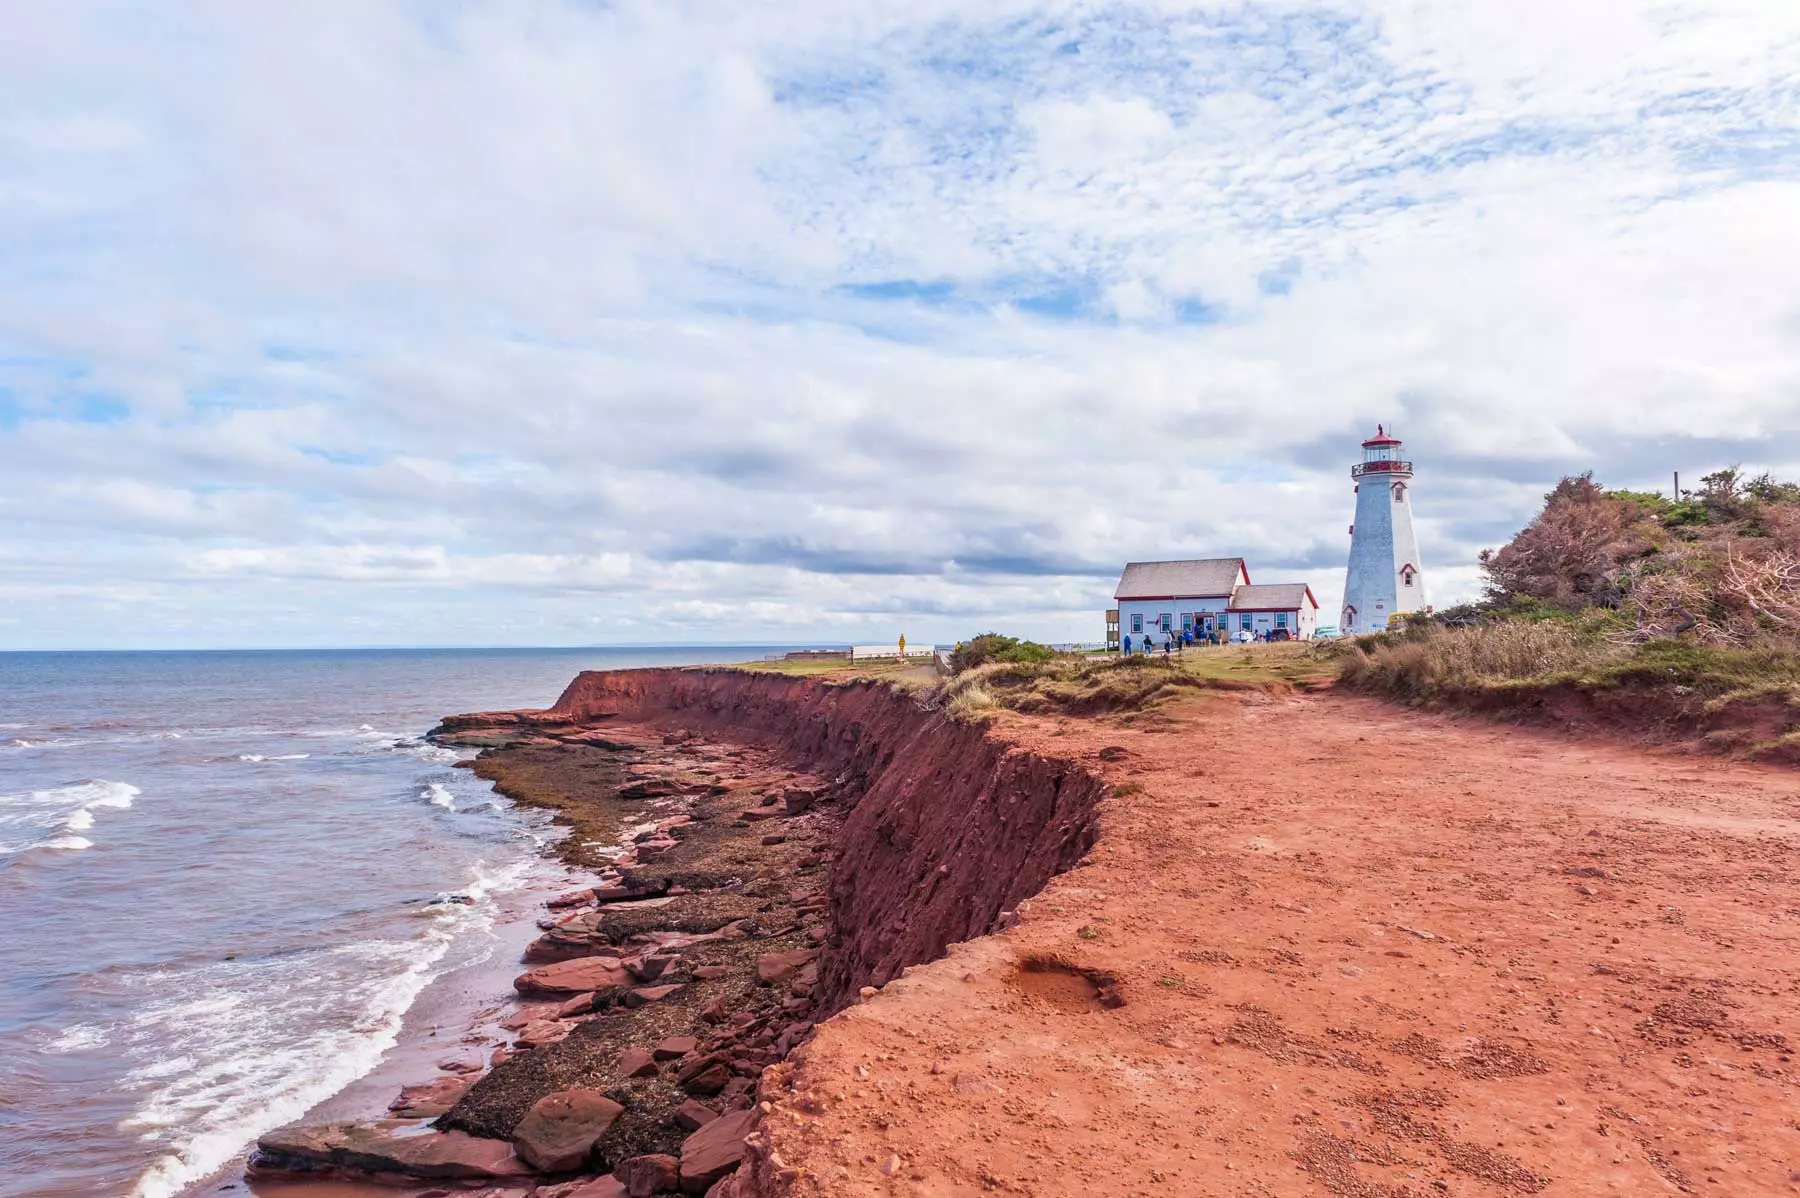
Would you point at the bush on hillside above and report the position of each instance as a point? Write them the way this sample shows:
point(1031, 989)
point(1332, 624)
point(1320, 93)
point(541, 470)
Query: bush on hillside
point(992, 647)
point(1721, 566)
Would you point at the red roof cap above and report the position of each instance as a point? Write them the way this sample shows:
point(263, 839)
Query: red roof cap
point(1381, 438)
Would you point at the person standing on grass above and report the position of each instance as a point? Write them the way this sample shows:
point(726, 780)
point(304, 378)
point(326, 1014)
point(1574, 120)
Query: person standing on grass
point(1128, 644)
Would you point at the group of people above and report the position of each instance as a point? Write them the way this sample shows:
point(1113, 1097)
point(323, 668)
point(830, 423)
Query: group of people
point(1172, 642)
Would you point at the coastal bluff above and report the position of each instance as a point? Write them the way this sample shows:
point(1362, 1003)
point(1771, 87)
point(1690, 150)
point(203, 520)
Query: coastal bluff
point(785, 848)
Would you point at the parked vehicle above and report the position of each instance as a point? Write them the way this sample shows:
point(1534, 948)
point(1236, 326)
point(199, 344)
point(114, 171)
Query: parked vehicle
point(1328, 632)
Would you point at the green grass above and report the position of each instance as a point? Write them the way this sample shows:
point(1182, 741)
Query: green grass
point(1081, 684)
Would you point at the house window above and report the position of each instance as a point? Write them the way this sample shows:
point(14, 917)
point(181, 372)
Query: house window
point(1281, 619)
point(1245, 621)
point(1164, 621)
point(1137, 622)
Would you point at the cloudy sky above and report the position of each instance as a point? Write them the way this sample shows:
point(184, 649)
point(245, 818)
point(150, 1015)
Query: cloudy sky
point(334, 322)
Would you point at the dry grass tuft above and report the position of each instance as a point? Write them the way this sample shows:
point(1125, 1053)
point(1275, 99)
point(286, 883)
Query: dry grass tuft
point(1420, 666)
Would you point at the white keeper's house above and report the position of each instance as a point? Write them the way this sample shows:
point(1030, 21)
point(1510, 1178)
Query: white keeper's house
point(1205, 595)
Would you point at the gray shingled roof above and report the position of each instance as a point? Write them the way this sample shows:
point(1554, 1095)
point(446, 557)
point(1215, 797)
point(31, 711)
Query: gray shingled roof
point(1156, 580)
point(1272, 596)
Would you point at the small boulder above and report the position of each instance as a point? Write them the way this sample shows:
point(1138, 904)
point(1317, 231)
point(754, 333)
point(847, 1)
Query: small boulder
point(428, 1100)
point(675, 1047)
point(760, 813)
point(644, 1176)
point(714, 1151)
point(692, 1115)
point(546, 1031)
point(798, 800)
point(558, 1132)
point(637, 1063)
point(581, 1004)
point(707, 973)
point(649, 968)
point(647, 994)
point(705, 1075)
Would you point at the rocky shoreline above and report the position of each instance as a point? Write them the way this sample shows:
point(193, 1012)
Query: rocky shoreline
point(652, 1000)
point(764, 851)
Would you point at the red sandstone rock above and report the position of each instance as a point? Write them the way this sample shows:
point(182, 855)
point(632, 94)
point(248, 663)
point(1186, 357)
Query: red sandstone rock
point(574, 898)
point(428, 1100)
point(714, 1151)
point(774, 838)
point(716, 1010)
point(545, 1031)
point(798, 800)
point(707, 973)
point(593, 1187)
point(581, 1004)
point(674, 1047)
point(692, 1115)
point(647, 1175)
point(709, 1080)
point(526, 1015)
point(450, 1154)
point(777, 967)
point(558, 1132)
point(648, 969)
point(759, 813)
point(648, 994)
point(637, 1063)
point(572, 977)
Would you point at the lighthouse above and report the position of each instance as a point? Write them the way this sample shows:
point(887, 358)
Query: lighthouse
point(1384, 578)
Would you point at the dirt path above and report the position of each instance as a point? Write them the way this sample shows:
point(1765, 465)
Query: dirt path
point(1362, 952)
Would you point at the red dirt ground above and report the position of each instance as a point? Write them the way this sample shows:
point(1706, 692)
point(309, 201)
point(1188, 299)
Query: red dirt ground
point(1363, 952)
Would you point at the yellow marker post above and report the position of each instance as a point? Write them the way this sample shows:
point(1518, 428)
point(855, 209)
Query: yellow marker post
point(903, 646)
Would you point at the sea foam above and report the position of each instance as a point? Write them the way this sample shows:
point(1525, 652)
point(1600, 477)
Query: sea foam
point(48, 819)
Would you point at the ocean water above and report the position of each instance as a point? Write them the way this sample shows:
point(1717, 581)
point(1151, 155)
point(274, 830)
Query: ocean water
point(224, 878)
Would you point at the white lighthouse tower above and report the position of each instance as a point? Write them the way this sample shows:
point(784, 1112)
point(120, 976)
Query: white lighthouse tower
point(1384, 576)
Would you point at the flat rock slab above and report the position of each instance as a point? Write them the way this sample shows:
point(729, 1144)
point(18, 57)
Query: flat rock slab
point(355, 1146)
point(558, 1132)
point(778, 967)
point(715, 1150)
point(566, 978)
point(593, 1187)
point(428, 1100)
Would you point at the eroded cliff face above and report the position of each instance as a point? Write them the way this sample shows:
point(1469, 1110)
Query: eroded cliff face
point(945, 829)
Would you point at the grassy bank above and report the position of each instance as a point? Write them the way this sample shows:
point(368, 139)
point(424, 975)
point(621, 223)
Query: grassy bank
point(1086, 684)
point(1743, 699)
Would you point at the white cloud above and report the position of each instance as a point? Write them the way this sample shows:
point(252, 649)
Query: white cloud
point(648, 321)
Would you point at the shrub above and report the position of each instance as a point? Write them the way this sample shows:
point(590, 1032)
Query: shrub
point(992, 647)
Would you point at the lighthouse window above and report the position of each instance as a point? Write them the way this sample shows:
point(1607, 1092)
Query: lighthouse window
point(1406, 575)
point(1399, 492)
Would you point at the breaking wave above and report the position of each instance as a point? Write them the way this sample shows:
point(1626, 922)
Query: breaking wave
point(49, 819)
